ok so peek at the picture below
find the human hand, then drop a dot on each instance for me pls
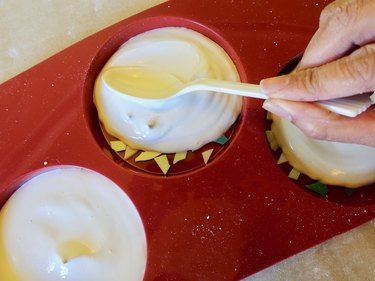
(339, 61)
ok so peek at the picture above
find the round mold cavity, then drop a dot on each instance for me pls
(193, 160)
(362, 196)
(76, 197)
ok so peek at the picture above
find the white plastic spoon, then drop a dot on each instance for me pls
(151, 84)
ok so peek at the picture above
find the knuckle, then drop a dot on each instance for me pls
(310, 82)
(362, 66)
(327, 12)
(341, 14)
(314, 130)
(319, 125)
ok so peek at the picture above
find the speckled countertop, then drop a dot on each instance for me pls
(31, 31)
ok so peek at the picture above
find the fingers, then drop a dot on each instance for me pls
(321, 124)
(346, 76)
(344, 25)
(339, 61)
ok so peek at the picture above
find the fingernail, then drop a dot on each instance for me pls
(277, 109)
(274, 84)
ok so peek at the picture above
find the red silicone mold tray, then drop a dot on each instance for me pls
(225, 221)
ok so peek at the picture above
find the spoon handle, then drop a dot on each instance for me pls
(227, 87)
(348, 106)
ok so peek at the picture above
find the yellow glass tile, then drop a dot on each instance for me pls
(163, 163)
(147, 155)
(129, 152)
(179, 156)
(118, 145)
(294, 174)
(206, 155)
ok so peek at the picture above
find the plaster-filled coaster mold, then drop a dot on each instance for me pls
(338, 172)
(174, 135)
(71, 223)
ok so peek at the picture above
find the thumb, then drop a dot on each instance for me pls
(319, 123)
(346, 76)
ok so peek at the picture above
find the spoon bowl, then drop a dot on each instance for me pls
(151, 84)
